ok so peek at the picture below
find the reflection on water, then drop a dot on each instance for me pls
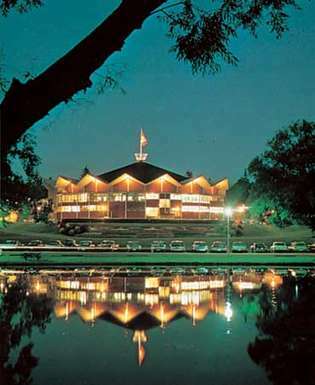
(139, 302)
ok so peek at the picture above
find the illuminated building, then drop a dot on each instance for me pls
(139, 190)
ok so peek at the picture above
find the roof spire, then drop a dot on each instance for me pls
(141, 156)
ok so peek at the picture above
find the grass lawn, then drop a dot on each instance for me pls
(118, 258)
(148, 232)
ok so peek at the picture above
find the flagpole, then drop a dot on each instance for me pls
(141, 144)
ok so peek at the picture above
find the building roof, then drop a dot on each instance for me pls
(145, 172)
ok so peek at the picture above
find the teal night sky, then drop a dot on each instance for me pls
(213, 125)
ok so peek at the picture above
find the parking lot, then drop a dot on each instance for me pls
(160, 246)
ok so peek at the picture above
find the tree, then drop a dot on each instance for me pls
(284, 174)
(239, 191)
(20, 313)
(201, 37)
(285, 347)
(15, 188)
(84, 172)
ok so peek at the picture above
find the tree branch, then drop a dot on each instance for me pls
(166, 7)
(26, 103)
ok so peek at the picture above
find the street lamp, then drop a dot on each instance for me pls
(228, 211)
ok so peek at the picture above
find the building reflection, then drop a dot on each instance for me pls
(141, 302)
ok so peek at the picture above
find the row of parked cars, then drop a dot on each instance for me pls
(159, 245)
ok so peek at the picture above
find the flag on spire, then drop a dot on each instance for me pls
(143, 139)
(141, 156)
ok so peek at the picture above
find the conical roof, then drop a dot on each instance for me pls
(145, 172)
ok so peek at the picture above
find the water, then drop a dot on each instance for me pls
(109, 327)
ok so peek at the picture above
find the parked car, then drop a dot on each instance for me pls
(200, 247)
(107, 244)
(35, 243)
(258, 248)
(55, 243)
(239, 247)
(278, 247)
(178, 246)
(298, 246)
(83, 244)
(202, 270)
(178, 270)
(158, 246)
(70, 243)
(218, 247)
(133, 246)
(10, 244)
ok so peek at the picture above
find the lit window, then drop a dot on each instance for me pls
(195, 209)
(141, 197)
(152, 196)
(190, 198)
(216, 210)
(152, 212)
(165, 203)
(119, 197)
(70, 209)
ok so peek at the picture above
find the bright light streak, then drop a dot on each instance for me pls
(228, 211)
(228, 312)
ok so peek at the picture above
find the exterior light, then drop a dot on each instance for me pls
(228, 211)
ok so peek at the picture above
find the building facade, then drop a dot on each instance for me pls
(138, 191)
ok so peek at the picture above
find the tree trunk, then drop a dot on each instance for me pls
(26, 103)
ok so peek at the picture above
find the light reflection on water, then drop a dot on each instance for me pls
(221, 306)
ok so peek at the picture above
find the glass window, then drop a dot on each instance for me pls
(165, 203)
(152, 212)
(152, 196)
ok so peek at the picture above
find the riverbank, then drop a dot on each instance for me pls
(74, 259)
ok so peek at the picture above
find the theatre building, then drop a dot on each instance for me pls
(138, 191)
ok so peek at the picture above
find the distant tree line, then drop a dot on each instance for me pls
(278, 185)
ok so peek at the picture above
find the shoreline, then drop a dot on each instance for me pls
(74, 259)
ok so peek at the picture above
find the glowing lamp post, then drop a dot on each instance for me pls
(228, 212)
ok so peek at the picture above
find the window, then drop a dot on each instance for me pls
(99, 198)
(195, 209)
(190, 198)
(216, 210)
(165, 203)
(152, 196)
(119, 197)
(68, 209)
(152, 212)
(67, 198)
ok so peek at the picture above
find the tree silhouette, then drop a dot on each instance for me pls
(285, 172)
(286, 346)
(20, 313)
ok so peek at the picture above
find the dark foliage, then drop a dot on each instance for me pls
(285, 172)
(202, 35)
(20, 313)
(239, 192)
(286, 347)
(20, 5)
(84, 172)
(18, 188)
